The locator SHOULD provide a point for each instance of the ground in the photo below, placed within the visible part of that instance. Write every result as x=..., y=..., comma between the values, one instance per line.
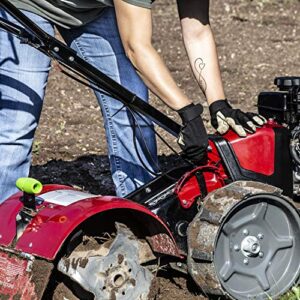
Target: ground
x=257, y=41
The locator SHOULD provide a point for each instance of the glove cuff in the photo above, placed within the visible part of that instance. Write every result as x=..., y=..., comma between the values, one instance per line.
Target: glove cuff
x=219, y=105
x=190, y=112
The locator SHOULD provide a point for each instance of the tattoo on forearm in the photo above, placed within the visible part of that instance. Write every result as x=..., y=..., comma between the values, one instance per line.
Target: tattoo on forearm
x=199, y=65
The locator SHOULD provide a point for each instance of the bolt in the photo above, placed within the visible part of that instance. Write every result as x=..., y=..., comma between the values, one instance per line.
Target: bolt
x=245, y=232
x=56, y=49
x=236, y=247
x=260, y=236
x=261, y=254
x=30, y=245
x=71, y=58
x=246, y=261
x=254, y=247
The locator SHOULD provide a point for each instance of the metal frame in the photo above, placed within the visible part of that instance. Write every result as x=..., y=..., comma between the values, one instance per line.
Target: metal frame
x=34, y=36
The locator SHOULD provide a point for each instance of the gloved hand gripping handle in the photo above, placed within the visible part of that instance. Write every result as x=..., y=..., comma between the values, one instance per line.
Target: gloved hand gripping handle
x=193, y=139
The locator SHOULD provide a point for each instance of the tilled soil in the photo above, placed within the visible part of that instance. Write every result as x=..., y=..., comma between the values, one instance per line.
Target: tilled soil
x=257, y=40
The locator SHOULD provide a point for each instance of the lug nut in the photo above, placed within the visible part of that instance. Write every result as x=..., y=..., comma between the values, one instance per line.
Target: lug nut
x=245, y=232
x=246, y=261
x=260, y=236
x=236, y=248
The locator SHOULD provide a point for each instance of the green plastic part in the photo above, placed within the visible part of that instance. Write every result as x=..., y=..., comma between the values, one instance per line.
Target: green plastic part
x=29, y=185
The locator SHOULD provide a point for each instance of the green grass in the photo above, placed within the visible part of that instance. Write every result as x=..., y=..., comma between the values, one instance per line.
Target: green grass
x=293, y=294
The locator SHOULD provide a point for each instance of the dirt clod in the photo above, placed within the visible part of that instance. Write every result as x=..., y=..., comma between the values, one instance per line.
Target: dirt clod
x=120, y=258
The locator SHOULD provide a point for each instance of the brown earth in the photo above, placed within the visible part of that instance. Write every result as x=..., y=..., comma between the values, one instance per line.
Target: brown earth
x=257, y=40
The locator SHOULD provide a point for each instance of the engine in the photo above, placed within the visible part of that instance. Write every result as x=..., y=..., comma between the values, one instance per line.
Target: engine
x=283, y=106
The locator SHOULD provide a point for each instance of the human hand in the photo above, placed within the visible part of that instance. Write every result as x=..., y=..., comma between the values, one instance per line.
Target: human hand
x=223, y=117
x=193, y=138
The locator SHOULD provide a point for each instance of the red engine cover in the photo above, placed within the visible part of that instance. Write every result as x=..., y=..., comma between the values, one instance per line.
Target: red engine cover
x=256, y=152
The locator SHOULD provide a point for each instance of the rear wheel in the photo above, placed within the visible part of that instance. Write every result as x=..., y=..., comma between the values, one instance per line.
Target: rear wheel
x=245, y=242
x=115, y=269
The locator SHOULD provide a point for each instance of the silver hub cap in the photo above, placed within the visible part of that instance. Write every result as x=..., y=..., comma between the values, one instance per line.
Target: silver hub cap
x=250, y=246
x=258, y=248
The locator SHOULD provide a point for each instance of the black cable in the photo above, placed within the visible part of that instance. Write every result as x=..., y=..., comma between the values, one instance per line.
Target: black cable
x=94, y=87
x=90, y=84
x=152, y=128
x=137, y=125
x=166, y=143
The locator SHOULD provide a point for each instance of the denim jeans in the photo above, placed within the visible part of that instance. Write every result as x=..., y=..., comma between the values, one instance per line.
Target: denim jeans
x=23, y=79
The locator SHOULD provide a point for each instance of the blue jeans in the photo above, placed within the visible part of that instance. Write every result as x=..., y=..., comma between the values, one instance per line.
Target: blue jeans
x=23, y=78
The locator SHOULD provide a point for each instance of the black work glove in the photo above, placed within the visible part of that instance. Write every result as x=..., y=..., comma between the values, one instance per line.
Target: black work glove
x=223, y=117
x=193, y=138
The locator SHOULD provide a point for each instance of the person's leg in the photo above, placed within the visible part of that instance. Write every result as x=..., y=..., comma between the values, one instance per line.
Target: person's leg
x=99, y=44
x=23, y=77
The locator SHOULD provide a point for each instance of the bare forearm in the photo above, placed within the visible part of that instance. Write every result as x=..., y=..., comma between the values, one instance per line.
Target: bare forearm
x=203, y=58
x=156, y=76
x=135, y=27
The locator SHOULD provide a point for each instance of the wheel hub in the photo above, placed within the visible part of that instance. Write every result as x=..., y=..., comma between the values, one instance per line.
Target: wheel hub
x=268, y=247
x=245, y=242
x=250, y=246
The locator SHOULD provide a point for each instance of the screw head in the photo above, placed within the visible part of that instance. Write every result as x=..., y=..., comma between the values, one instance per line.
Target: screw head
x=71, y=58
x=179, y=264
x=184, y=202
x=254, y=247
x=56, y=49
x=260, y=236
x=245, y=231
x=246, y=261
x=261, y=254
x=236, y=247
x=148, y=190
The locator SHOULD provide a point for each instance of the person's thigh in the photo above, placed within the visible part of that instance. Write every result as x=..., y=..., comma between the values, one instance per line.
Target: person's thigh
x=23, y=77
x=99, y=43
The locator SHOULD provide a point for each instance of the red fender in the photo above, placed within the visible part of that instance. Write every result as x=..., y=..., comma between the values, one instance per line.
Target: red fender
x=53, y=224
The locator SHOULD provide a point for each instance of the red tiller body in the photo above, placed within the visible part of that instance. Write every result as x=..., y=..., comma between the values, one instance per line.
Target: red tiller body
x=263, y=156
x=53, y=223
x=61, y=210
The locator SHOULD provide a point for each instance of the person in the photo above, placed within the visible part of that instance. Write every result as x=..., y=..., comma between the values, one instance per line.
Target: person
x=115, y=36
